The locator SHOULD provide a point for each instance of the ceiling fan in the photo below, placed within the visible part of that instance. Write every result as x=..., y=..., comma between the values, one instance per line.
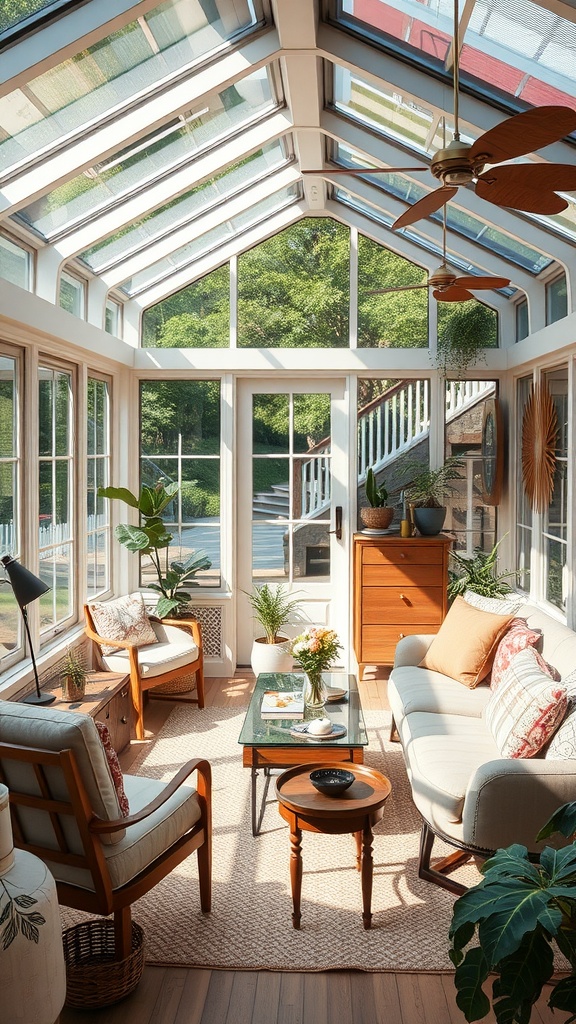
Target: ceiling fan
x=448, y=286
x=530, y=187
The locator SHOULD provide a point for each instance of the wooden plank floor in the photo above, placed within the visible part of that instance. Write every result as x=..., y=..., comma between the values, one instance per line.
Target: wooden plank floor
x=175, y=995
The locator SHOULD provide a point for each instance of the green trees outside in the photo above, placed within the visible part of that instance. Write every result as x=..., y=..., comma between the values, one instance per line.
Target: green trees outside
x=397, y=320
x=13, y=11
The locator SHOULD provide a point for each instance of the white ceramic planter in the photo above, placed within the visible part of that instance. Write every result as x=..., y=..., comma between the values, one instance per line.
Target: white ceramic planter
x=32, y=970
x=271, y=657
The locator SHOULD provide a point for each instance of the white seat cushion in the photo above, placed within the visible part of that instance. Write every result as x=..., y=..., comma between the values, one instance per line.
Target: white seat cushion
x=420, y=689
x=154, y=659
x=144, y=842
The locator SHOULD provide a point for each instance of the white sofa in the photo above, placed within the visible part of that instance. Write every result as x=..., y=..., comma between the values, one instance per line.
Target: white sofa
x=465, y=791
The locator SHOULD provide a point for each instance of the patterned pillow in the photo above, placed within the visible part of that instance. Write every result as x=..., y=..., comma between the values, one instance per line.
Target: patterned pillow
x=516, y=639
x=506, y=605
x=125, y=619
x=563, y=743
x=114, y=766
x=523, y=713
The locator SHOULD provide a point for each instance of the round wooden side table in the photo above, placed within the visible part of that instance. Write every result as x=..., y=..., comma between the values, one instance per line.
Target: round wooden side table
x=355, y=811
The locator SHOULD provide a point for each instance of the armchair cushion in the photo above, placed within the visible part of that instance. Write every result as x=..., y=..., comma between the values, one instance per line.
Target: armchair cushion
x=124, y=619
x=50, y=729
x=172, y=648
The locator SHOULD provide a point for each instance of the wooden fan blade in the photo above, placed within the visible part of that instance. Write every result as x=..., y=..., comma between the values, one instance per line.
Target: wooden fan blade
x=524, y=133
x=452, y=294
x=482, y=282
x=425, y=206
x=400, y=288
x=504, y=187
x=364, y=170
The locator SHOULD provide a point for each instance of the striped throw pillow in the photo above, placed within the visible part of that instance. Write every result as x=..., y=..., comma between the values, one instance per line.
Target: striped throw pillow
x=526, y=709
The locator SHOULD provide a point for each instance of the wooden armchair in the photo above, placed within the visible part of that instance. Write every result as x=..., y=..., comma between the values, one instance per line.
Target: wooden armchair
x=177, y=653
x=65, y=810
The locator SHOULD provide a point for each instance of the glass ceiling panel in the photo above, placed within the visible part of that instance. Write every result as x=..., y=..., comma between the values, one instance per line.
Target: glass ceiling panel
x=411, y=232
x=459, y=221
x=511, y=47
x=190, y=252
x=176, y=143
x=186, y=207
x=112, y=74
x=22, y=13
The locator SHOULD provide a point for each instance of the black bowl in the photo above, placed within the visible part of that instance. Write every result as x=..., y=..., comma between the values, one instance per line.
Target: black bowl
x=331, y=781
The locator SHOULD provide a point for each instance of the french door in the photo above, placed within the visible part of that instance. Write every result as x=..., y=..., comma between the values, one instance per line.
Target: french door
x=293, y=520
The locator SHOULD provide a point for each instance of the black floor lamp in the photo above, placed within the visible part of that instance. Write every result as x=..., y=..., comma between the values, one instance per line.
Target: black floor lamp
x=27, y=587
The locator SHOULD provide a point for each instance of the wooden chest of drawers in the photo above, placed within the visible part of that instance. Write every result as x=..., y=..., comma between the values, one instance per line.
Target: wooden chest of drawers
x=399, y=588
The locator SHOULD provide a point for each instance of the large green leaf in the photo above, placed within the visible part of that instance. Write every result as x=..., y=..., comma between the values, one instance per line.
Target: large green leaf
x=513, y=860
x=563, y=996
x=132, y=537
x=166, y=606
x=119, y=493
x=469, y=978
x=521, y=978
x=560, y=865
x=517, y=909
x=563, y=820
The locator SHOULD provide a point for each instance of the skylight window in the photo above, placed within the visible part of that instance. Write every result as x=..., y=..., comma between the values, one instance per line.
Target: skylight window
x=112, y=74
x=187, y=254
x=176, y=143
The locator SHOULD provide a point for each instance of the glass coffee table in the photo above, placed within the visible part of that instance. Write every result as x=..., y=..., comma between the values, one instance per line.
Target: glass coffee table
x=270, y=743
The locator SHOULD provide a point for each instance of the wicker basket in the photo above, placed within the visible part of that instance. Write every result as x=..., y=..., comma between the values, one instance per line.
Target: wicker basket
x=182, y=685
x=93, y=977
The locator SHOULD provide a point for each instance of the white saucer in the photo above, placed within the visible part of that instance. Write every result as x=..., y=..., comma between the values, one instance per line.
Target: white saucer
x=377, y=533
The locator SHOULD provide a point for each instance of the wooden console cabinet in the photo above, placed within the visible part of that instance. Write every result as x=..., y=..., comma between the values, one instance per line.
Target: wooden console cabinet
x=107, y=699
x=400, y=588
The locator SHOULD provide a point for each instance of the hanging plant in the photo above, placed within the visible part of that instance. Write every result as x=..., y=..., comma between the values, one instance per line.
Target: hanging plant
x=464, y=331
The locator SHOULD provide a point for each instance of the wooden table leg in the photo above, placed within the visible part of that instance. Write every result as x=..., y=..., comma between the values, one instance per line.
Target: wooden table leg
x=296, y=870
x=367, y=872
x=358, y=838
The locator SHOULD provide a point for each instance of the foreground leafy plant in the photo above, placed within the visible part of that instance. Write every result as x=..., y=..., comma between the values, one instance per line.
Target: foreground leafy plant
x=152, y=538
x=518, y=914
x=479, y=573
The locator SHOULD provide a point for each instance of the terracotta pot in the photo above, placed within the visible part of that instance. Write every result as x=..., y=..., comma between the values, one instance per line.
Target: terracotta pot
x=377, y=518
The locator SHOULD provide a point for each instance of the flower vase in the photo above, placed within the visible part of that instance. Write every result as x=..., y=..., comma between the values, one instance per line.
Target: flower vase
x=314, y=691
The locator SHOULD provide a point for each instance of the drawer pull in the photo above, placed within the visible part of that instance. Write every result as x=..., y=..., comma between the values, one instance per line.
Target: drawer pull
x=403, y=597
x=124, y=694
x=402, y=554
x=402, y=635
x=124, y=720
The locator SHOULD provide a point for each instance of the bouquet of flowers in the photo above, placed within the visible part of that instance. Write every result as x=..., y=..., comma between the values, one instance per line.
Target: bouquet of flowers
x=316, y=649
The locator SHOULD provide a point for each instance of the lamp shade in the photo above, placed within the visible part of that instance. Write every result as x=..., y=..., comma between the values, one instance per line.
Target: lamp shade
x=26, y=586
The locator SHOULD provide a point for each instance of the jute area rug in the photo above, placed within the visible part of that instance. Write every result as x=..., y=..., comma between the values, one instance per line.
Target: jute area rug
x=250, y=925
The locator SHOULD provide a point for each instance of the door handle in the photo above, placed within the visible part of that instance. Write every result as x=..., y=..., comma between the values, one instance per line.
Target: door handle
x=337, y=531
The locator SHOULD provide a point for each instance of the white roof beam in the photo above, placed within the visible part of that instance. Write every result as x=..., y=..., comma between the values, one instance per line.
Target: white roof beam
x=194, y=272
x=172, y=185
x=297, y=23
x=99, y=142
x=200, y=225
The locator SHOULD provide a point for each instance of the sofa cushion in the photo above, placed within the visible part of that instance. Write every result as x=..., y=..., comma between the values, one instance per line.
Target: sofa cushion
x=124, y=619
x=563, y=743
x=527, y=707
x=516, y=638
x=419, y=689
x=466, y=642
x=508, y=604
x=442, y=753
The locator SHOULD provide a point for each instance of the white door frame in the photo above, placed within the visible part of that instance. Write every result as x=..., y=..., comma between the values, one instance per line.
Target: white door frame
x=322, y=602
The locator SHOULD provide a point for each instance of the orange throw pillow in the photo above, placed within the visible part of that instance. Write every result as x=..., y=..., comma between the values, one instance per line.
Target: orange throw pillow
x=465, y=645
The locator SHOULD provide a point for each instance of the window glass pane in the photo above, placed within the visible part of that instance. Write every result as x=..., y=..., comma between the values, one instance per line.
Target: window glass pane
x=195, y=317
x=13, y=14
x=270, y=551
x=471, y=521
x=72, y=295
x=111, y=73
x=10, y=637
x=113, y=318
x=311, y=422
x=293, y=289
x=15, y=263
x=556, y=515
x=185, y=255
x=395, y=320
x=464, y=329
x=270, y=424
x=180, y=442
x=556, y=300
x=98, y=526
x=522, y=326
x=524, y=515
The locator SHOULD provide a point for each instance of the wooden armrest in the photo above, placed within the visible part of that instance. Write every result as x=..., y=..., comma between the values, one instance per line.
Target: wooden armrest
x=203, y=788
x=122, y=644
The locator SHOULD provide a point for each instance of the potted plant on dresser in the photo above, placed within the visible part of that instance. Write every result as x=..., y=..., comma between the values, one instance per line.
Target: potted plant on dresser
x=272, y=609
x=378, y=514
x=427, y=490
x=73, y=677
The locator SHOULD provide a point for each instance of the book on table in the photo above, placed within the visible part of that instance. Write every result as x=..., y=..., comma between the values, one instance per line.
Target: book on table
x=282, y=704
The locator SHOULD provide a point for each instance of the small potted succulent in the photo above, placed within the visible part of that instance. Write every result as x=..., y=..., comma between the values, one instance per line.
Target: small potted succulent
x=73, y=677
x=378, y=514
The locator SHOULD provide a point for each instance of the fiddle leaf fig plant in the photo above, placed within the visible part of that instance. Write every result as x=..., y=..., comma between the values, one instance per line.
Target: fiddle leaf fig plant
x=517, y=915
x=153, y=539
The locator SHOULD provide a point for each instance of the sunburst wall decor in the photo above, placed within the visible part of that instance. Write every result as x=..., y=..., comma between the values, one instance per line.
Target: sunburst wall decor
x=539, y=434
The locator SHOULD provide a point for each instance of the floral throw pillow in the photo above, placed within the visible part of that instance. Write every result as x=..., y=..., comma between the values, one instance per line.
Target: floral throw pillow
x=563, y=743
x=114, y=766
x=124, y=619
x=526, y=709
x=517, y=638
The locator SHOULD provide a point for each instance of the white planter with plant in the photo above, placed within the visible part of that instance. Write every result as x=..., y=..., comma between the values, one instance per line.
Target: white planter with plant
x=272, y=610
